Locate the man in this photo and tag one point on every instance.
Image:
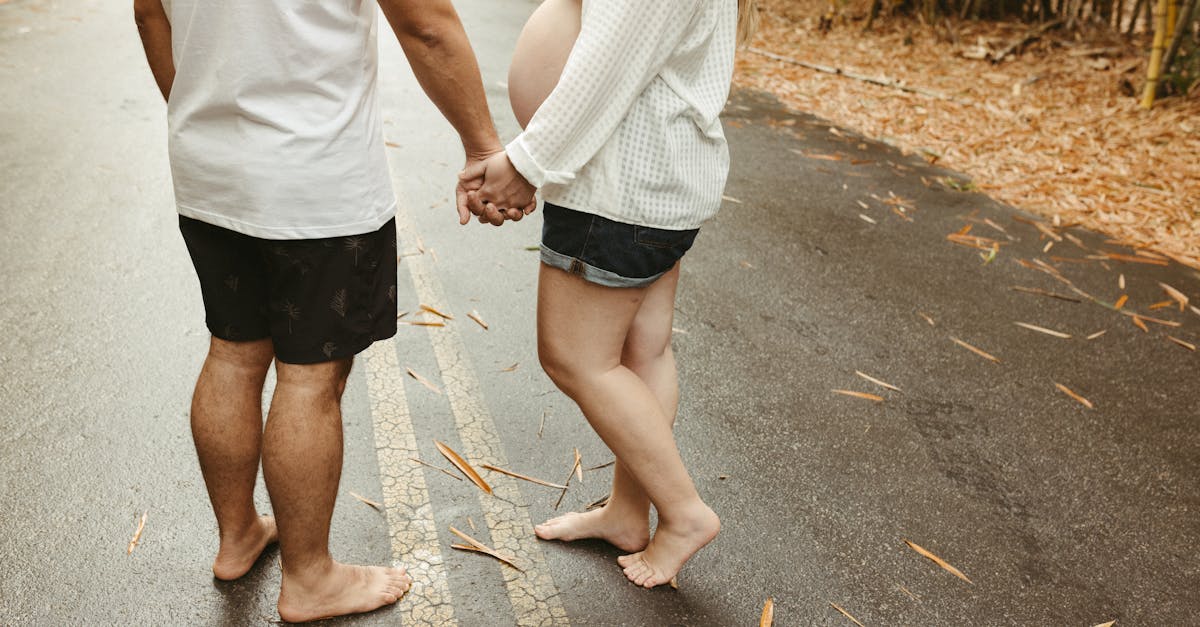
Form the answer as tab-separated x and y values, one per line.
287	209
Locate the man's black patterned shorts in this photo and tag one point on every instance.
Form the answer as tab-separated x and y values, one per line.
317	299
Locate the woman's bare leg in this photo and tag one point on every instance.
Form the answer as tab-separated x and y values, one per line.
624	521
582	330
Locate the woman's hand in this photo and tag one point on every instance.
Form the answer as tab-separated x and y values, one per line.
496	191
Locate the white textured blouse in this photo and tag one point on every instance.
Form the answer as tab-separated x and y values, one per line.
632	130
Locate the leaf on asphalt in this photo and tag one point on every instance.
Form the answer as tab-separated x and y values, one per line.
1034	327
542	424
601	466
1162	304
1045	293
846	614
1175	294
391	144
570	475
863	204
1137	322
1121	301
474	315
963	231
435	312
524	477
472	523
1079	399
378	506
1047	231
974	241
984	354
1121	282
876	381
600	502
479	547
1108	624
1047	247
674	583
746	264
1187	345
137	534
578	465
868	219
463	466
767	619
868	396
1165	323
927	318
422	323
822	157
1097	334
422	380
939	561
448	473
1133	259
730	199
511	368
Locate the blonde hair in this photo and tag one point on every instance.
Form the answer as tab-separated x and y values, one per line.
747	21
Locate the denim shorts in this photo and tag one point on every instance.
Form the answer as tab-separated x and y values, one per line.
607	252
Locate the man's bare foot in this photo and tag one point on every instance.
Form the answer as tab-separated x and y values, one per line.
672	545
628	532
340	589
238	554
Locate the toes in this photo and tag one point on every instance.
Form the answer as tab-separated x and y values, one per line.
626	560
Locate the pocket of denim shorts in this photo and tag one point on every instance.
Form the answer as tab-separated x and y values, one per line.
659	238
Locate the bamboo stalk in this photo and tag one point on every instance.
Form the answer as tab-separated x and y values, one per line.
1156	54
1133	17
1181	28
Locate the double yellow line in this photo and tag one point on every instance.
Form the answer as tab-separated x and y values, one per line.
532	593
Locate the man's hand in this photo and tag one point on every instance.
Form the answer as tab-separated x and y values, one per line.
155	31
496	191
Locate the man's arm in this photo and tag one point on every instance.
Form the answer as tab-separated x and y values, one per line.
437	48
155	31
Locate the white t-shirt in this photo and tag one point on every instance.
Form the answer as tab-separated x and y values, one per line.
274	126
632	130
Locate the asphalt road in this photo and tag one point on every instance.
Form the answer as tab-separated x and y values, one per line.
1058	514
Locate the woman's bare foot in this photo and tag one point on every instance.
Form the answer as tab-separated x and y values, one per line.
340	589
672	546
238	553
628	532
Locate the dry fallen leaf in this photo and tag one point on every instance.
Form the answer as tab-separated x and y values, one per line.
542	424
1097	334
422	380
448	473
137	535
867	219
846	614
378	506
435	312
1175	294
422	323
674	583
730	199
525	477
1081	400
927	318
600	502
939	561
1137	321
977	351
1033	327
768	613
1187	345
876	381
479	547
1166	323
578	465
474	315
1121	301
463	466
1108	624
1133	259
868	396
1161	304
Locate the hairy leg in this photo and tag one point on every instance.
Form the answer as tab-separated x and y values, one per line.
582	330
302	464
226	420
624	521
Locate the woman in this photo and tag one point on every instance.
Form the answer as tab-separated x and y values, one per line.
623	138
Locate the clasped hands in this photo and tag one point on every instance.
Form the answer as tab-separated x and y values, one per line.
492	190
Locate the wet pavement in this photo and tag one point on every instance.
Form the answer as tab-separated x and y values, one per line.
1058	514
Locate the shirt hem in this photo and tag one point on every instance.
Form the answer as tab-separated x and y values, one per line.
368	225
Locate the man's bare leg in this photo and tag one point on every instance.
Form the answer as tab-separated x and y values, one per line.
624	521
227	429
302	464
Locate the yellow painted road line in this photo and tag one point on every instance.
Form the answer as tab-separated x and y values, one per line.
533	594
405	495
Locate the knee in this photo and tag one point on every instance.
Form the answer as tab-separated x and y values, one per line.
324	379
255	356
560	364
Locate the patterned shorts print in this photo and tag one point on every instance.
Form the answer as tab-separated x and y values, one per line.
317	300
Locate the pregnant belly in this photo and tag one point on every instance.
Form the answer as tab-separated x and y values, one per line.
541	52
